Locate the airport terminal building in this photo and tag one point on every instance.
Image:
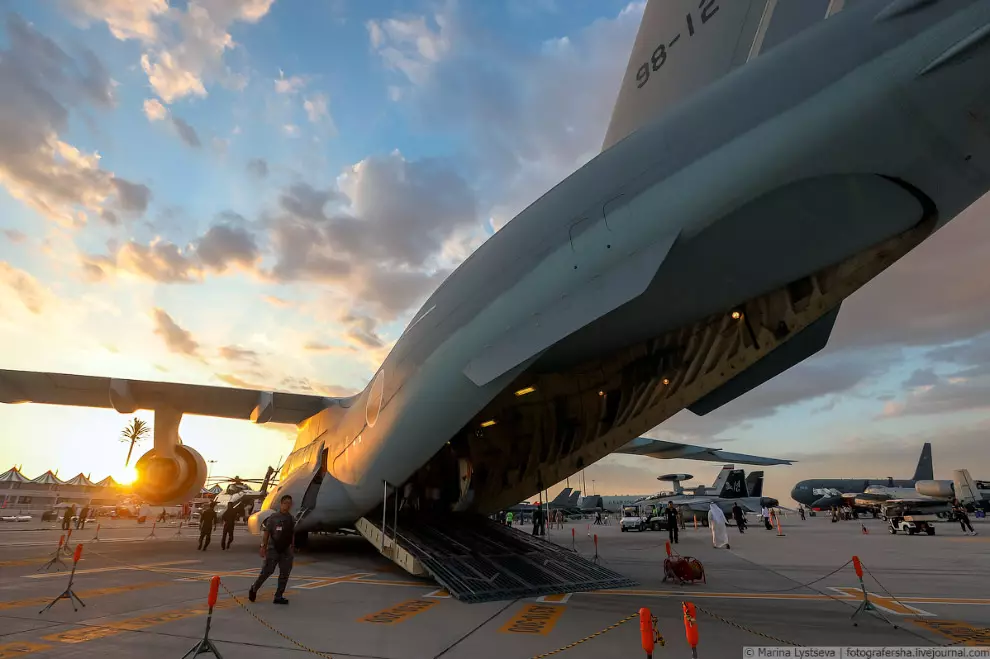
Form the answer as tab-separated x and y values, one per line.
20	495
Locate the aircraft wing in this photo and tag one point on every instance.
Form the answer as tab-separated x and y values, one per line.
664	450
127	396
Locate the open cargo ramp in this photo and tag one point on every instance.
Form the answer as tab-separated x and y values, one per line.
478	560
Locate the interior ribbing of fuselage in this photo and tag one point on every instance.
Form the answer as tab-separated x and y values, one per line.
548	426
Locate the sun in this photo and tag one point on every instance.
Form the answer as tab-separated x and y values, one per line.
126	475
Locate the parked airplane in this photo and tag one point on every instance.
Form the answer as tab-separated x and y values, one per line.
973	494
734	490
823	493
740	197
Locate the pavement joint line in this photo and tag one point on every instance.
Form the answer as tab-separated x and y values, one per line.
808	597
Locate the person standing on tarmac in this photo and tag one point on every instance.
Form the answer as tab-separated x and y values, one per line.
229	517
207	520
277	548
671	514
737	515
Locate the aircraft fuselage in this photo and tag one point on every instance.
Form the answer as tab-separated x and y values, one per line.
666	266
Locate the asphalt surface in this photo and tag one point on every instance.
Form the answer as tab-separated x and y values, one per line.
148	596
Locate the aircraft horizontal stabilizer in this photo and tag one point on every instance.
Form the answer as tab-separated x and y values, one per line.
664	450
128	396
794	351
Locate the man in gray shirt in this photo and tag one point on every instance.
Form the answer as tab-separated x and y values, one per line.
277	548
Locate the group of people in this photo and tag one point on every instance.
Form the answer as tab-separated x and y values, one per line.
208	519
80	520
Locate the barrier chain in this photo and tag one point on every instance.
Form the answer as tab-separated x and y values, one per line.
587	638
744	628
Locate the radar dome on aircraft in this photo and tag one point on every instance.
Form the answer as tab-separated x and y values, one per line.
675	477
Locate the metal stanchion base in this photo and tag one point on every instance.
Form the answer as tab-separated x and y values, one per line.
203	647
67	595
866	606
55	559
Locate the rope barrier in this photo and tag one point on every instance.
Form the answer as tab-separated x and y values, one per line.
744	628
588	638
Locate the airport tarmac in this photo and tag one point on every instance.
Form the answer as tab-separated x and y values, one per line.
148	596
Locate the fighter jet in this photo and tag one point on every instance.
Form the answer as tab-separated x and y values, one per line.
741	194
735	488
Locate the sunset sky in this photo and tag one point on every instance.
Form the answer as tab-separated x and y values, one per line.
262	193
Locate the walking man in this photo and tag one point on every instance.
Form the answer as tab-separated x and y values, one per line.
207	520
229	517
737	515
277	548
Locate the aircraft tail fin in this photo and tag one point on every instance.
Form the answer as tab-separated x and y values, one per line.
562	497
685	45
735	485
754	484
924	470
965	488
722	477
573	500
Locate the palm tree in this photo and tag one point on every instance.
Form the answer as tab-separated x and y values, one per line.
135	432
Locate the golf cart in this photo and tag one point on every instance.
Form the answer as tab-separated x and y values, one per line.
913	517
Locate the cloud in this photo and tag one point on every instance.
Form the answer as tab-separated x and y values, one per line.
411	45
186	132
225	244
236	353
291	130
317	108
515	107
126	19
276	301
944	396
290	85
184	50
258	167
15	236
132	197
27	289
176	339
42	85
155	111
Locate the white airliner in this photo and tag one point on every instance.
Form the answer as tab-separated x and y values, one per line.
741	194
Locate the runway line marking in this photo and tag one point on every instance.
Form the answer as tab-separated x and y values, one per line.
84	594
534	619
400	612
560	598
329	581
957	630
439	594
21	648
888	604
96	570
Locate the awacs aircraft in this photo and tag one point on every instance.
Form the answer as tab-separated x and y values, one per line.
827	492
742	193
736	489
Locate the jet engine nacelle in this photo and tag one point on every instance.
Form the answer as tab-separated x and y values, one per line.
166	481
939	489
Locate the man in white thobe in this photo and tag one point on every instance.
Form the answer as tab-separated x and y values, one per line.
716	522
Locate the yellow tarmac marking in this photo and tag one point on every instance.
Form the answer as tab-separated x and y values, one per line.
439	594
533	619
25	561
560	598
155	567
83	634
701	594
400	612
83	594
957	630
886	603
21	648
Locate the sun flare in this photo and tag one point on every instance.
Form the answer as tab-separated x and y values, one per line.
126	475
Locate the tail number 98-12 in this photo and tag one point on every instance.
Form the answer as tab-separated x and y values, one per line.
660	54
